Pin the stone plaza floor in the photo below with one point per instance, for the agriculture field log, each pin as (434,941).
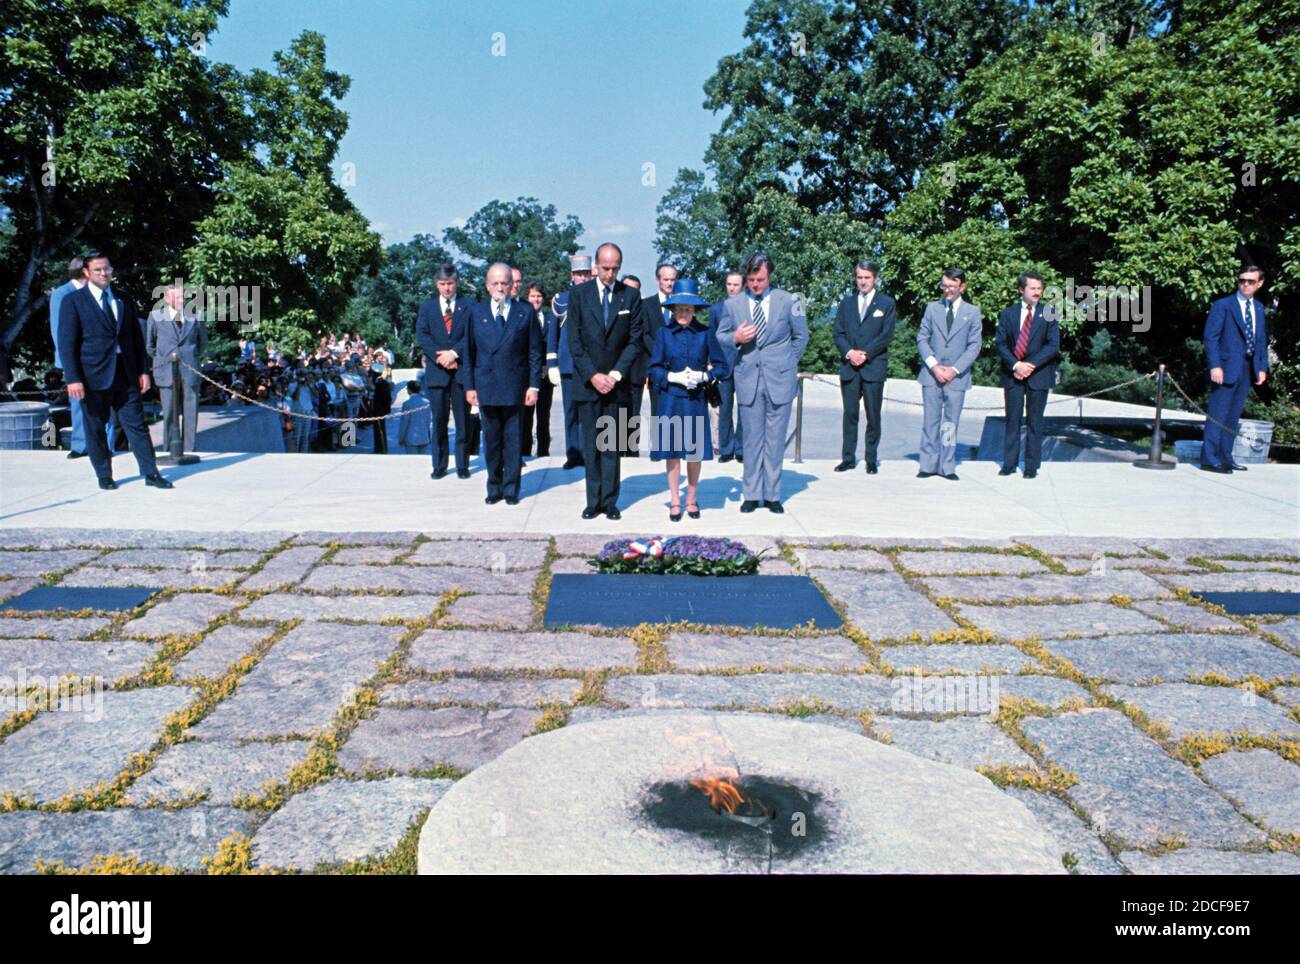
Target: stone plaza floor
(300,701)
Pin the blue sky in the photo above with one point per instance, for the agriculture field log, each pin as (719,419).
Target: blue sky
(586,95)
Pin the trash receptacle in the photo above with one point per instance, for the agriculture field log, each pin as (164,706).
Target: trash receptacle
(22,424)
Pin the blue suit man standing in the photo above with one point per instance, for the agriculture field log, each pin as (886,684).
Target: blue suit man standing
(503,366)
(1029,347)
(730,434)
(559,360)
(768,331)
(440,331)
(1236,350)
(76,281)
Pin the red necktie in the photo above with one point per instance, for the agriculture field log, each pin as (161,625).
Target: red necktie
(447,320)
(1022,343)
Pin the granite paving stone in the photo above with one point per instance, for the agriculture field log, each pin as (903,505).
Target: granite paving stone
(1287,630)
(1186,709)
(174,838)
(951,563)
(1174,656)
(221,647)
(84,740)
(1262,783)
(523,692)
(1211,548)
(286,568)
(964,741)
(74,627)
(514,612)
(1288,695)
(93,577)
(419,579)
(1270,565)
(42,561)
(1185,615)
(1073,546)
(284,606)
(223,770)
(1210,863)
(498,554)
(54,538)
(938,657)
(867,559)
(189,612)
(706,651)
(442,650)
(776,567)
(181,558)
(1100,565)
(368,555)
(1075,836)
(109,660)
(592,714)
(569,544)
(299,686)
(314,537)
(307,831)
(1129,786)
(977,694)
(411,739)
(1050,621)
(576,565)
(1236,582)
(882,605)
(15,587)
(1047,586)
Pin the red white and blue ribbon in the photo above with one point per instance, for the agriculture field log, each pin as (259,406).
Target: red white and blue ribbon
(654,548)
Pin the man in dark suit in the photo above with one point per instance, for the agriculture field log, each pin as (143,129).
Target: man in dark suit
(1236,350)
(559,360)
(1029,348)
(730,435)
(652,308)
(106,368)
(864,327)
(503,367)
(546,391)
(440,330)
(605,335)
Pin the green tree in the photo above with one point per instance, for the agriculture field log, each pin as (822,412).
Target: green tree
(693,232)
(523,234)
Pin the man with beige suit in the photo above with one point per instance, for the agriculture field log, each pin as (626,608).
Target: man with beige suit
(948,343)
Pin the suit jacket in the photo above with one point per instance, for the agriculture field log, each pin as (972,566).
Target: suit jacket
(89,339)
(1225,341)
(1043,351)
(777,357)
(557,336)
(596,349)
(715,318)
(161,339)
(502,361)
(56,300)
(871,334)
(431,334)
(957,348)
(652,319)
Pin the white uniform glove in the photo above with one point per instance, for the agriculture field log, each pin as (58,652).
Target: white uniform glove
(679,378)
(553,375)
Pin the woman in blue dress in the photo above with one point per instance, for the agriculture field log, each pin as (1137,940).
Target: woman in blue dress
(686,358)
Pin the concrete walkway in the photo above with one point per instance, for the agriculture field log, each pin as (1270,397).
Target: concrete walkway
(263,492)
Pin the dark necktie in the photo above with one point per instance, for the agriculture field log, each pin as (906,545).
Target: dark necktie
(948,317)
(605,306)
(1022,342)
(1250,326)
(107,306)
(863,302)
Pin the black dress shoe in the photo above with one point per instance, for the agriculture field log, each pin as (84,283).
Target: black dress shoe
(1219,469)
(740,458)
(951,477)
(613,514)
(572,464)
(462,473)
(543,453)
(925,475)
(1031,473)
(492,499)
(1236,468)
(107,484)
(74,454)
(675,515)
(510,500)
(158,482)
(776,507)
(1006,471)
(749,505)
(590,513)
(438,474)
(871,468)
(845,466)
(694,514)
(721,458)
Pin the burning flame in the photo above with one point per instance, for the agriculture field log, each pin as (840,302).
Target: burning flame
(722,793)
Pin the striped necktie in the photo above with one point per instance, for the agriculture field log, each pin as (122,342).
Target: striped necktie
(760,322)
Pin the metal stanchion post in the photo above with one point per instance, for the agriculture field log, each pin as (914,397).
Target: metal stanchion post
(175,419)
(1153,460)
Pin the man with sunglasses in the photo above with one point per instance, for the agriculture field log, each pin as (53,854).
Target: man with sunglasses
(1236,351)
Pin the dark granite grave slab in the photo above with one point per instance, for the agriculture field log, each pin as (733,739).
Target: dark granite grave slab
(1254,603)
(602,599)
(101,599)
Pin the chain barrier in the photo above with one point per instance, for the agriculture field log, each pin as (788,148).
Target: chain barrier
(834,380)
(327,419)
(1210,418)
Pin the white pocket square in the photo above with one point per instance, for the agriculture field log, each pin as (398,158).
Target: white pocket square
(626,311)
(879,313)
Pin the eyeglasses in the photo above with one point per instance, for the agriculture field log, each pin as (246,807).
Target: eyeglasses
(1250,281)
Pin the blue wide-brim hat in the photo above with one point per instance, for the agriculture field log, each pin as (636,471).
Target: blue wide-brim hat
(686,291)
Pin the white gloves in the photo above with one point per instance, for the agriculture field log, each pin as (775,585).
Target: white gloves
(553,376)
(680,378)
(689,379)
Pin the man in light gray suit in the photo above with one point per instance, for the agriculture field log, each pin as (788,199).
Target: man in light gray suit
(948,343)
(767,329)
(173,330)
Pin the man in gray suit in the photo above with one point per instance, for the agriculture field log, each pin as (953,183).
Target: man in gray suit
(172,331)
(948,343)
(767,330)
